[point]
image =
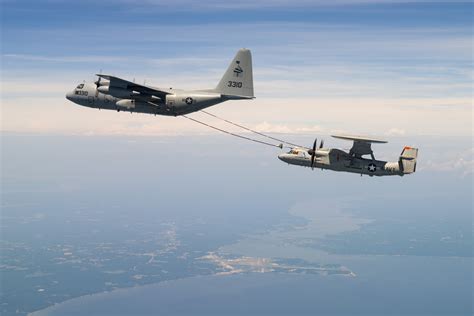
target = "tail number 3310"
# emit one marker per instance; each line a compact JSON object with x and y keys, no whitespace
{"x":234,"y":84}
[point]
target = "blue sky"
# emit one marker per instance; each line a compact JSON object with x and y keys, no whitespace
{"x":364,"y":66}
{"x":65,"y":28}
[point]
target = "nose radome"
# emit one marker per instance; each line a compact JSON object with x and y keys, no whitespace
{"x":69,"y":96}
{"x":282,"y":157}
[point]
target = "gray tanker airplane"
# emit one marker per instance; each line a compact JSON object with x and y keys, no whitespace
{"x":352,"y":161}
{"x":118,"y":94}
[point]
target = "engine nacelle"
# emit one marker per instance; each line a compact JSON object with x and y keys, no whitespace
{"x":103,"y":89}
{"x":103,"y":83}
{"x":127,"y":104}
{"x":130,"y":104}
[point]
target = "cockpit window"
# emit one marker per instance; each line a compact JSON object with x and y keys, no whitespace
{"x":297,"y":152}
{"x":80,"y":86}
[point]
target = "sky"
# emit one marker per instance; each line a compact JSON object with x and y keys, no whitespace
{"x":378,"y":67}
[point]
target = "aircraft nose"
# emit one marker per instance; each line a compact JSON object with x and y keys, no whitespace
{"x":69,"y":96}
{"x":282,"y":157}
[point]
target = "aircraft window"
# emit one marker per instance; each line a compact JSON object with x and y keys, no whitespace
{"x":80,"y":86}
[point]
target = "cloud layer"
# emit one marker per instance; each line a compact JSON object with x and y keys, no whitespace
{"x":346,"y":69}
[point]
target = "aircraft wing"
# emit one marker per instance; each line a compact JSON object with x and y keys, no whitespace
{"x":116,"y":82}
{"x":362,"y":144}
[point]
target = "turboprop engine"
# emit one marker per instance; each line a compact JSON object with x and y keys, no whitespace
{"x":126,"y":104}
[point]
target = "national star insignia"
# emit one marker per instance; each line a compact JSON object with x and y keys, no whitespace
{"x":189,"y":100}
{"x":372,"y":167}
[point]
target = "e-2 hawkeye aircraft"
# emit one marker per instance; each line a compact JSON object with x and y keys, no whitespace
{"x":352,"y":161}
{"x":118,"y":94}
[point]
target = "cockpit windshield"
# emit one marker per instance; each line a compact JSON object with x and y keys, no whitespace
{"x":298,"y":152}
{"x":79,"y":87}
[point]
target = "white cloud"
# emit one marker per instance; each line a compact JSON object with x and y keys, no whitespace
{"x":451,"y":161}
{"x":266,"y":127}
{"x":271,"y":128}
{"x":395,"y":132}
{"x":53,"y":113}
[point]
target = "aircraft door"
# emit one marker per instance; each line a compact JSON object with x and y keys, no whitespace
{"x":90,"y":100}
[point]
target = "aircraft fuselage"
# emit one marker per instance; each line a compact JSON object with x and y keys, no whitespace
{"x":339,"y":160}
{"x":178,"y":102}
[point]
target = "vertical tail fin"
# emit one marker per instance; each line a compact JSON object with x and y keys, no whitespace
{"x":407,"y":159}
{"x":238,"y":79}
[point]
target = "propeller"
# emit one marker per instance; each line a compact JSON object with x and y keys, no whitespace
{"x":312,"y":151}
{"x":97,"y":85}
{"x":97,"y":82}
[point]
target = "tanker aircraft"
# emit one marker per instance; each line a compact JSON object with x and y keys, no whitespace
{"x":352,"y":161}
{"x":118,"y":94}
